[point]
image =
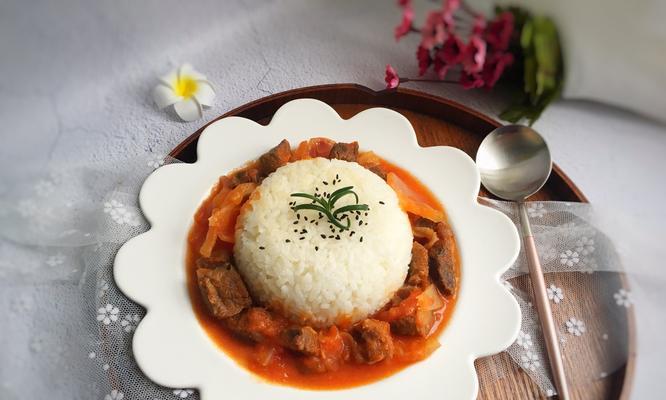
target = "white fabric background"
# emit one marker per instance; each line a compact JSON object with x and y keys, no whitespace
{"x":76,"y":78}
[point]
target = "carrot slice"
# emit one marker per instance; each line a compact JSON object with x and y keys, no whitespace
{"x":302,"y":152}
{"x":368,"y":159}
{"x":411,"y":201}
{"x":406,"y":307}
{"x":222,"y":222}
{"x":206,"y":248}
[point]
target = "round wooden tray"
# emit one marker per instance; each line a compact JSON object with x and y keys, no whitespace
{"x":438,"y":121}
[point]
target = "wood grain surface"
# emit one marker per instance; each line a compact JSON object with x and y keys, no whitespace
{"x":437,"y":122}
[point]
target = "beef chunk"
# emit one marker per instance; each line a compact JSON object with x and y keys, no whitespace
{"x":418,"y":324}
{"x":255,"y":323}
{"x":312,"y":364}
{"x":379,"y":171}
{"x":302,"y":339}
{"x":418,"y":267}
{"x":445,"y":234}
{"x":275,"y":158}
{"x":372,"y":341}
{"x":401,"y":294}
{"x":244,"y":176}
{"x":344,"y":151}
{"x":442,"y":263}
{"x":223,"y":290}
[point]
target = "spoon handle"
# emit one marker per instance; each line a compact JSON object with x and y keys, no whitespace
{"x":543,"y":306}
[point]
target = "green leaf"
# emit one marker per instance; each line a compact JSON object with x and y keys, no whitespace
{"x":547,"y":53}
{"x":338,"y":194}
{"x":542,"y":70}
{"x":514,"y":113}
{"x":526,"y":36}
{"x":529,"y":78}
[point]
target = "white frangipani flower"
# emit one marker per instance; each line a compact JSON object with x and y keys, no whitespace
{"x":187,"y":90}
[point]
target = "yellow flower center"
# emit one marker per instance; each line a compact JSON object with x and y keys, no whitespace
{"x":185,"y":86}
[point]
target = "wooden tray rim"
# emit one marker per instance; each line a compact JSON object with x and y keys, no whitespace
{"x":277,"y":99}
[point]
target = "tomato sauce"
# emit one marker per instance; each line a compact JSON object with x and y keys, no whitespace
{"x":283,"y":367}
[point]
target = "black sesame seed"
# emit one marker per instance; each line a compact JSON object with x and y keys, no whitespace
{"x":360,"y":222}
{"x":351,"y":233}
{"x":304,"y":231}
{"x":340,"y":230}
{"x":320,"y":215}
{"x":324,"y":182}
{"x":295,"y":230}
{"x":298,"y":216}
{"x":301,"y":238}
{"x":287,"y":241}
{"x":323,"y":236}
{"x":361,"y":240}
{"x":317,"y":223}
{"x":381,"y":202}
{"x":366,"y":214}
{"x":337,"y":237}
{"x":316,"y":248}
{"x":305,"y":218}
{"x":331,"y":236}
{"x":337,"y":177}
{"x":261,"y":247}
{"x":296,"y":222}
{"x":356,"y":218}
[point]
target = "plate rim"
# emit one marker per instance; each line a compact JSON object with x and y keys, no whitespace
{"x":121,"y":264}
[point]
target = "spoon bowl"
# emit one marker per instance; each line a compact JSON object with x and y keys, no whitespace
{"x":514,"y":162}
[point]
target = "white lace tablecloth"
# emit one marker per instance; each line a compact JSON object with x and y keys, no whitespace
{"x":75,"y":95}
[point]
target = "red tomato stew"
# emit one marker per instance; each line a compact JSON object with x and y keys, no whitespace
{"x":295,"y":353}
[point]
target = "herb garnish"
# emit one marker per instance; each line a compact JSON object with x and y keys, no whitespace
{"x":326,"y":205}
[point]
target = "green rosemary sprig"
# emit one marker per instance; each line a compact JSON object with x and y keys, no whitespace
{"x":326,"y":206}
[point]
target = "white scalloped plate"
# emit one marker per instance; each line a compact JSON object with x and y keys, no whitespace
{"x":172,"y":348}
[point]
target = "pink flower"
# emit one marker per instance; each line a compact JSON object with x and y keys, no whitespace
{"x":406,"y":23}
{"x":474,"y":55}
{"x":500,"y":30}
{"x":495,"y":65}
{"x":392,"y":79}
{"x":452,"y":50}
{"x":470,"y":81}
{"x":423,"y":56}
{"x":450,"y":54}
{"x":434,"y":30}
{"x":479,"y":25}
{"x":448,"y":8}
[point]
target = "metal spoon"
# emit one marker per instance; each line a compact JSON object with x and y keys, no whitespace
{"x":515,"y":163}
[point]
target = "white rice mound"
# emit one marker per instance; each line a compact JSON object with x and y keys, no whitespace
{"x":346,"y":279}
